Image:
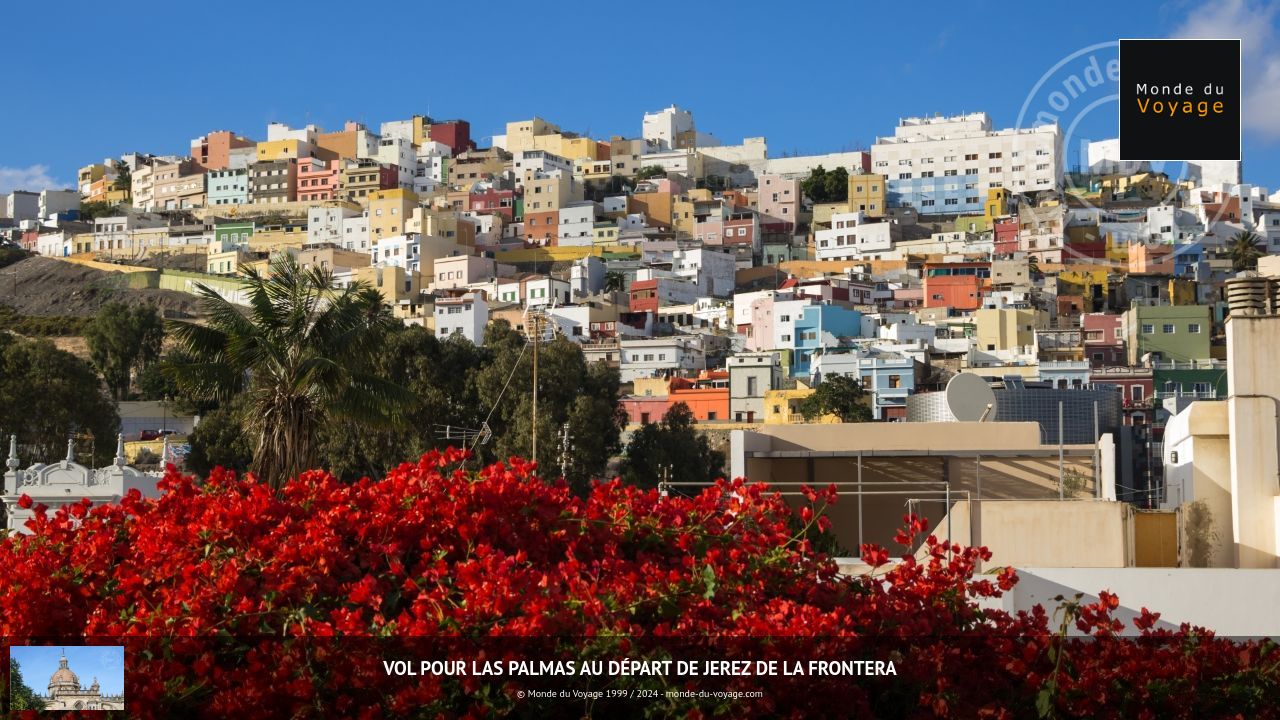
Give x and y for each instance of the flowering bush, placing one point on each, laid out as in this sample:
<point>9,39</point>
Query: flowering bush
<point>237,600</point>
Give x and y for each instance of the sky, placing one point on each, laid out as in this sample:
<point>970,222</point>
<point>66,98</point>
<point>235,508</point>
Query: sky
<point>86,81</point>
<point>105,663</point>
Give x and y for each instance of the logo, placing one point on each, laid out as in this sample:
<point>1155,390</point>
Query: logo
<point>1180,98</point>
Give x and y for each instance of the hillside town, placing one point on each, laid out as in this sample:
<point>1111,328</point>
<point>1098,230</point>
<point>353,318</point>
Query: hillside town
<point>1090,297</point>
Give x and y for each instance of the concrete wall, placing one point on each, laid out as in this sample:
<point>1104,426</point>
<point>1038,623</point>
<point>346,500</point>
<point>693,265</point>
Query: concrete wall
<point>1200,482</point>
<point>1045,533</point>
<point>1253,374</point>
<point>1197,596</point>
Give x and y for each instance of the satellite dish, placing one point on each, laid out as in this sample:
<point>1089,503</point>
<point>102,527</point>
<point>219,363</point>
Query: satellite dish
<point>970,398</point>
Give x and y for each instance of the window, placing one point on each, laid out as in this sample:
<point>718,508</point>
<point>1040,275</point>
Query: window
<point>1119,332</point>
<point>711,415</point>
<point>1167,328</point>
<point>1136,392</point>
<point>1193,328</point>
<point>1148,329</point>
<point>949,173</point>
<point>993,156</point>
<point>904,176</point>
<point>971,171</point>
<point>895,381</point>
<point>995,169</point>
<point>927,174</point>
<point>973,156</point>
<point>1202,389</point>
<point>952,201</point>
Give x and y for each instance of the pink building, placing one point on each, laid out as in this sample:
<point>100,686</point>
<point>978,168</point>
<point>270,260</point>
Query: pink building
<point>317,180</point>
<point>1104,339</point>
<point>760,332</point>
<point>779,201</point>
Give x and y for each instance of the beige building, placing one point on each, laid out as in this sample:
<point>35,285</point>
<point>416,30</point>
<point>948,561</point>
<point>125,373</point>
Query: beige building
<point>522,134</point>
<point>545,192</point>
<point>1006,329</point>
<point>177,185</point>
<point>390,212</point>
<point>472,166</point>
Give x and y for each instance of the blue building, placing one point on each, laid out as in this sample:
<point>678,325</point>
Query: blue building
<point>946,195</point>
<point>822,326</point>
<point>888,378</point>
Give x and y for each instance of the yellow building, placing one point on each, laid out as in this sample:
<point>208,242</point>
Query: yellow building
<point>88,175</point>
<point>274,238</point>
<point>1148,186</point>
<point>867,194</point>
<point>997,204</point>
<point>390,212</point>
<point>521,134</point>
<point>395,284</point>
<point>1078,280</point>
<point>605,234</point>
<point>1006,328</point>
<point>782,407</point>
<point>283,149</point>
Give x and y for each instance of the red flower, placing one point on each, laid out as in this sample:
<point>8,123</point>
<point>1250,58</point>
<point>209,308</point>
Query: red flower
<point>25,502</point>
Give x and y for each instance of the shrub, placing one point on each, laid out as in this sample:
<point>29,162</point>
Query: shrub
<point>238,600</point>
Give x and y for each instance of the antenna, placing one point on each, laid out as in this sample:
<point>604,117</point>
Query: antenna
<point>970,398</point>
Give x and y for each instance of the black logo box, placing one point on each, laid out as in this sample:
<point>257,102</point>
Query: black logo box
<point>1186,68</point>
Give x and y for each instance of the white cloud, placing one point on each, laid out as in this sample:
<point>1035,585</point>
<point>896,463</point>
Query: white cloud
<point>34,178</point>
<point>1254,24</point>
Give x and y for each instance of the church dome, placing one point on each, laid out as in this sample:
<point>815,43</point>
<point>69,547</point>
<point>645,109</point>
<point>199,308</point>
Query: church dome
<point>63,679</point>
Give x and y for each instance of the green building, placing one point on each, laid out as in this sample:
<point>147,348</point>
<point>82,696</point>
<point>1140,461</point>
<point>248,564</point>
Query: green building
<point>1179,333</point>
<point>232,234</point>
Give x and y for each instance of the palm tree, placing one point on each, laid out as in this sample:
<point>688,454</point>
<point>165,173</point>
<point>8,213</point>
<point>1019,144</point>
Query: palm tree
<point>303,354</point>
<point>1244,249</point>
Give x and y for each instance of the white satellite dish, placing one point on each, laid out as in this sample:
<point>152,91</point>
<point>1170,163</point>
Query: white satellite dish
<point>970,398</point>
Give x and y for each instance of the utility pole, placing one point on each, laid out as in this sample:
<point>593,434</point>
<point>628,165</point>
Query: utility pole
<point>564,451</point>
<point>534,317</point>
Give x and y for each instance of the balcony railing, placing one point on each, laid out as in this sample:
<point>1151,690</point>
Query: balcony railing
<point>1210,394</point>
<point>1189,365</point>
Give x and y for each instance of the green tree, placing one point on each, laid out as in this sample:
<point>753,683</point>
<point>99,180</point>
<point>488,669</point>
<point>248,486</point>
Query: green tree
<point>220,441</point>
<point>838,395</point>
<point>1244,249</point>
<point>438,375</point>
<point>671,449</point>
<point>304,354</point>
<point>571,391</point>
<point>21,697</point>
<point>651,171</point>
<point>124,177</point>
<point>45,394</point>
<point>124,340</point>
<point>614,281</point>
<point>823,187</point>
<point>90,211</point>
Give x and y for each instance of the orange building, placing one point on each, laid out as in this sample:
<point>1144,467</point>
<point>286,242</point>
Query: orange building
<point>213,151</point>
<point>1153,259</point>
<point>956,285</point>
<point>542,228</point>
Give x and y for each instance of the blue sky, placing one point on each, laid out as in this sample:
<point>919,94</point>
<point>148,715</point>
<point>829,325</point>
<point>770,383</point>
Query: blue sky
<point>87,80</point>
<point>105,662</point>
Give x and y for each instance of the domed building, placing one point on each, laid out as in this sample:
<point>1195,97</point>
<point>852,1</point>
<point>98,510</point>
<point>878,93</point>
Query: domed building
<point>66,693</point>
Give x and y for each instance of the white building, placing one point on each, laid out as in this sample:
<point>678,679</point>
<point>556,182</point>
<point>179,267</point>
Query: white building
<point>324,223</point>
<point>654,357</point>
<point>946,165</point>
<point>751,375</point>
<point>53,202</point>
<point>355,232</point>
<point>403,251</point>
<point>851,237</point>
<point>577,224</point>
<point>714,272</point>
<point>65,482</point>
<point>665,127</point>
<point>465,315</point>
<point>1104,159</point>
<point>23,205</point>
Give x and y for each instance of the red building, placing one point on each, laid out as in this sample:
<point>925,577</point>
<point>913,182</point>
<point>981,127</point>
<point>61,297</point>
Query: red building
<point>454,133</point>
<point>644,296</point>
<point>494,202</point>
<point>960,286</point>
<point>1005,235</point>
<point>213,151</point>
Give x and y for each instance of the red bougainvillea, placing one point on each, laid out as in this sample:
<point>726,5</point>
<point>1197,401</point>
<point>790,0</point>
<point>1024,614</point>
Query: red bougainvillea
<point>237,601</point>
